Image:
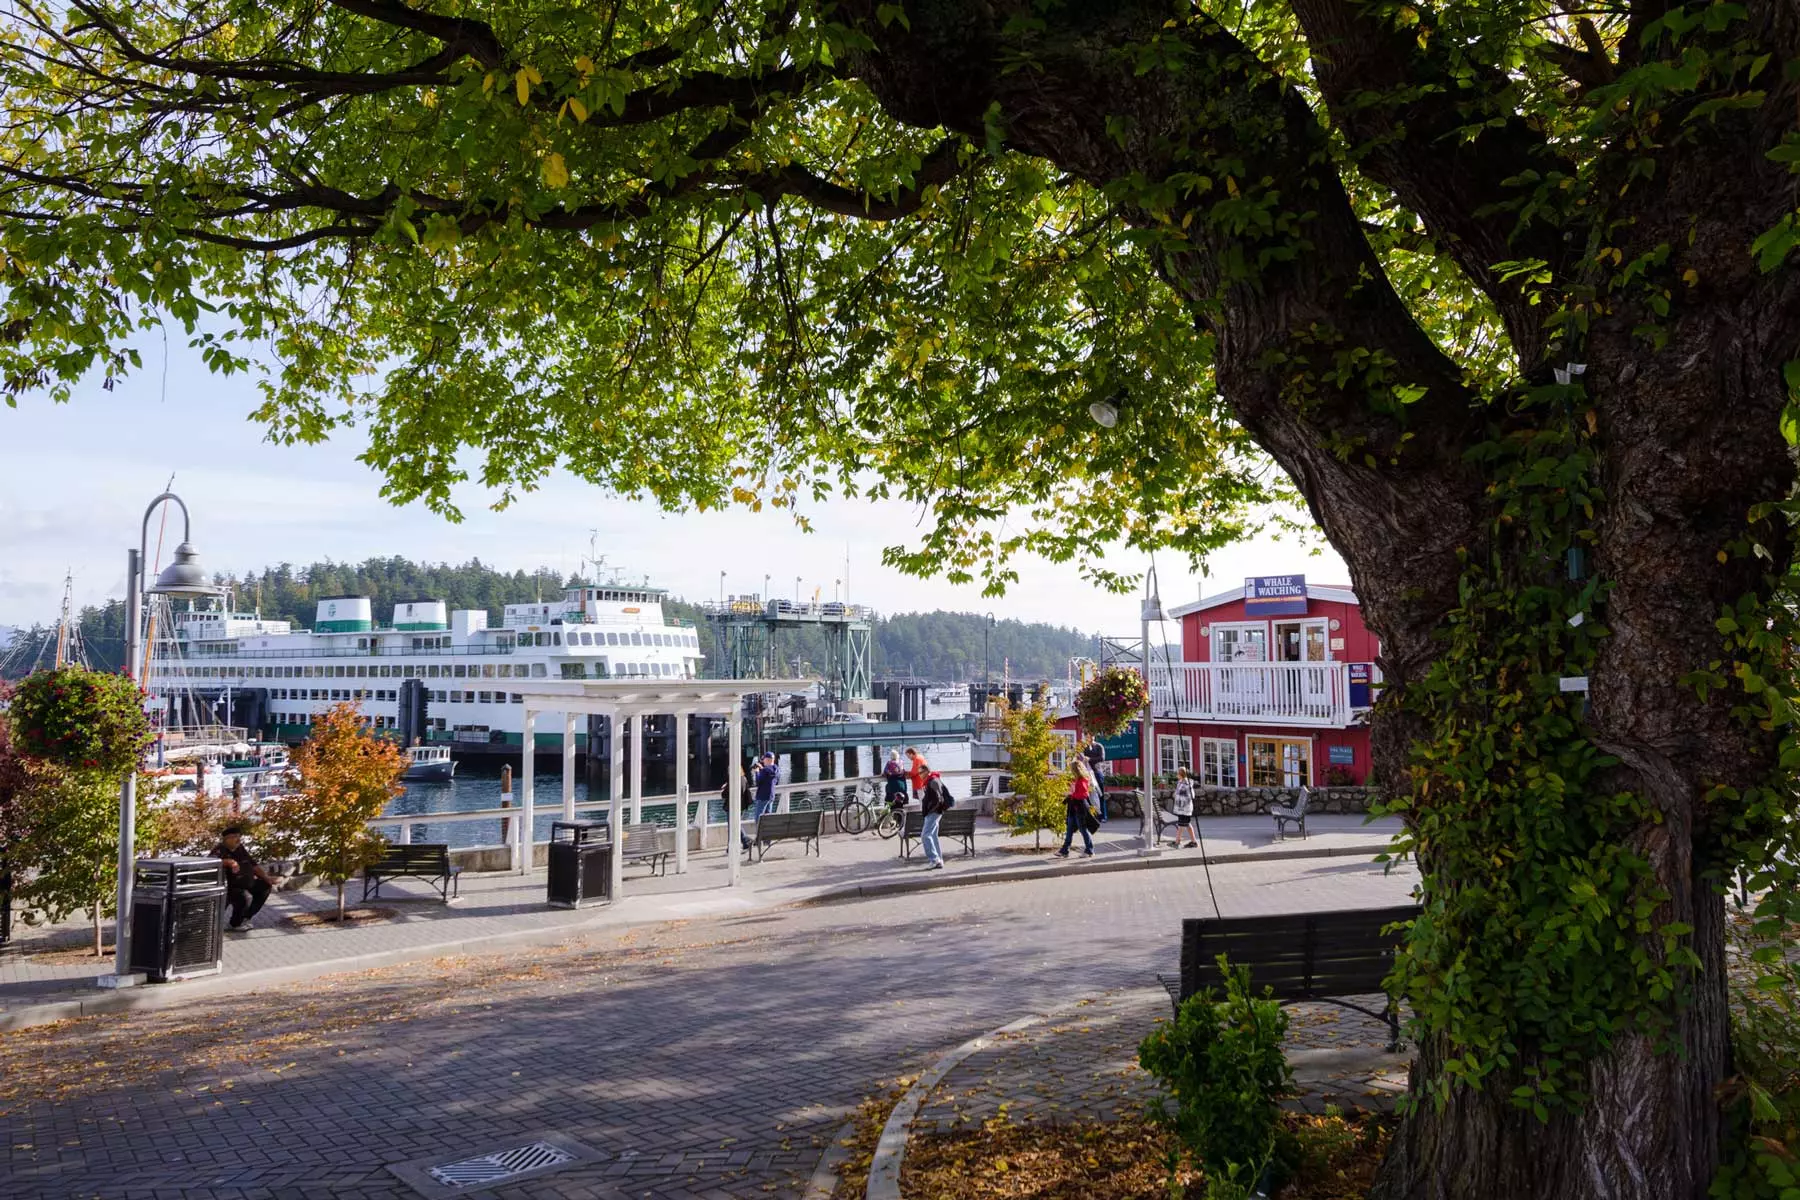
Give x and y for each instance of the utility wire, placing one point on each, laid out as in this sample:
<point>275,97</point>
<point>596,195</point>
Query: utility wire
<point>1180,731</point>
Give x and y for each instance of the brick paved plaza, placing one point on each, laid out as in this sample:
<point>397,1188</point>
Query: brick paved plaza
<point>701,1058</point>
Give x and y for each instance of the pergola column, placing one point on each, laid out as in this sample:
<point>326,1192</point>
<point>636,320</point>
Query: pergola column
<point>528,818</point>
<point>734,775</point>
<point>681,790</point>
<point>568,759</point>
<point>614,825</point>
<point>637,768</point>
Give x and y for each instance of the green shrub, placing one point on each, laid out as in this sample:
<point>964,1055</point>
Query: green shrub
<point>1762,1154</point>
<point>1221,1060</point>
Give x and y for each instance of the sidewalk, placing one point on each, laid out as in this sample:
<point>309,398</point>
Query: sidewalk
<point>40,981</point>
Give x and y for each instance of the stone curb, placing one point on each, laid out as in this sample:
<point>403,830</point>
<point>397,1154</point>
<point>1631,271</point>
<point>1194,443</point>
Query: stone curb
<point>150,997</point>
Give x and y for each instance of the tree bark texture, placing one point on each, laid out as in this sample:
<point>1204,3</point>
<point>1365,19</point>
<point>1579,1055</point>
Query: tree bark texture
<point>1687,436</point>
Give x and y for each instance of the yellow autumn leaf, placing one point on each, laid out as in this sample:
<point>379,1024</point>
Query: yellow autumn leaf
<point>1690,277</point>
<point>578,108</point>
<point>1231,185</point>
<point>556,171</point>
<point>522,85</point>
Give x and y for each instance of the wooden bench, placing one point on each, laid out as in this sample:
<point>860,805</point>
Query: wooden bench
<point>429,861</point>
<point>651,843</point>
<point>1323,956</point>
<point>1164,820</point>
<point>1291,814</point>
<point>802,827</point>
<point>958,825</point>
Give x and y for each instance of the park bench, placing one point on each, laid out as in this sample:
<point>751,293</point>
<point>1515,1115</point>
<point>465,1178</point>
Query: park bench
<point>802,827</point>
<point>651,843</point>
<point>1164,820</point>
<point>958,825</point>
<point>1291,814</point>
<point>1323,956</point>
<point>429,861</point>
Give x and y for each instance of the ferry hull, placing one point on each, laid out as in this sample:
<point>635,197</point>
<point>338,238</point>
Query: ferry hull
<point>431,772</point>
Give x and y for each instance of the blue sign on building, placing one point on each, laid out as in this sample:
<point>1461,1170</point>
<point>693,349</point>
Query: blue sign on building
<point>1275,596</point>
<point>1342,756</point>
<point>1124,745</point>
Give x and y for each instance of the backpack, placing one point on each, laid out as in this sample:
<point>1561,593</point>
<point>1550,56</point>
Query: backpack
<point>944,794</point>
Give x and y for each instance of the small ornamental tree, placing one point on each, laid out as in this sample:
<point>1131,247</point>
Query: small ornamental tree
<point>81,720</point>
<point>1108,701</point>
<point>67,858</point>
<point>1038,789</point>
<point>345,777</point>
<point>14,779</point>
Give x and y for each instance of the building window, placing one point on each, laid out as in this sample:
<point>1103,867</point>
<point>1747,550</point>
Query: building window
<point>1218,763</point>
<point>1059,757</point>
<point>572,670</point>
<point>1240,643</point>
<point>1280,762</point>
<point>1172,753</point>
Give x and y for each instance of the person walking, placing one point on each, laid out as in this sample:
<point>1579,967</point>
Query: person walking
<point>1077,813</point>
<point>920,772</point>
<point>893,781</point>
<point>1184,808</point>
<point>934,805</point>
<point>1096,761</point>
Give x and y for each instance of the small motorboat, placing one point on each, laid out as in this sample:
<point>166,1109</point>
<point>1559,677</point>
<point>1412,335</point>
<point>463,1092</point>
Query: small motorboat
<point>428,764</point>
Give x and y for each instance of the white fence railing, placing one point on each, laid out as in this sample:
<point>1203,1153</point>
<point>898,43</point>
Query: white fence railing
<point>704,808</point>
<point>1275,693</point>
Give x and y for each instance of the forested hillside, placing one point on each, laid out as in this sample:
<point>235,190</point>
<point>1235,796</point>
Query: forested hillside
<point>931,645</point>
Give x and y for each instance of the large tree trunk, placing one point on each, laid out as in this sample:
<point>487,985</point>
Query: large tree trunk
<point>1686,434</point>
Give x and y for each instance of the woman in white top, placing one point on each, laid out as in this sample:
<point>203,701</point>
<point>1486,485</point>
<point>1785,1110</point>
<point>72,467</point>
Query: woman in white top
<point>1184,808</point>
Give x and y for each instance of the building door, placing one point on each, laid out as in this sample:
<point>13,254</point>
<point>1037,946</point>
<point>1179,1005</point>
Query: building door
<point>1306,687</point>
<point>1280,762</point>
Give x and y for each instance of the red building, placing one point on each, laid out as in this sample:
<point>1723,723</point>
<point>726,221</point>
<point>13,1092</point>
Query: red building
<point>1273,688</point>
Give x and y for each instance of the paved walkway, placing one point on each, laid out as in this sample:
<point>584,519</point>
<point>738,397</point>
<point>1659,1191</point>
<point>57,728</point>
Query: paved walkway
<point>1082,1066</point>
<point>46,967</point>
<point>694,1059</point>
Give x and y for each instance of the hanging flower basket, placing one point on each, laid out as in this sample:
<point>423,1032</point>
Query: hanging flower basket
<point>1108,702</point>
<point>80,720</point>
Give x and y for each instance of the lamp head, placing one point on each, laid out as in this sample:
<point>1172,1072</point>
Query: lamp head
<point>184,577</point>
<point>1105,414</point>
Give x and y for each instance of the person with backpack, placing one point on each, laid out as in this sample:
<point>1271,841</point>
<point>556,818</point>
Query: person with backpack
<point>1096,761</point>
<point>1078,810</point>
<point>1184,808</point>
<point>935,803</point>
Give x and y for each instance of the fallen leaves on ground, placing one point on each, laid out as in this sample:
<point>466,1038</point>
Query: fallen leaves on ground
<point>328,916</point>
<point>1123,1160</point>
<point>1003,1161</point>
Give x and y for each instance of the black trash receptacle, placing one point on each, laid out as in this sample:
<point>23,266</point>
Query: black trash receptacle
<point>177,918</point>
<point>580,863</point>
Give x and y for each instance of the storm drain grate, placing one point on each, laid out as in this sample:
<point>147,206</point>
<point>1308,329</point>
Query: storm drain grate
<point>501,1165</point>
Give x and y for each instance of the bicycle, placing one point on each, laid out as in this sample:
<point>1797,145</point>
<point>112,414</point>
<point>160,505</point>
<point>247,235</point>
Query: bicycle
<point>865,807</point>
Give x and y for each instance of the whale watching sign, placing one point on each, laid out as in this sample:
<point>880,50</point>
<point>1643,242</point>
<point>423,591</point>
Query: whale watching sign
<point>1275,596</point>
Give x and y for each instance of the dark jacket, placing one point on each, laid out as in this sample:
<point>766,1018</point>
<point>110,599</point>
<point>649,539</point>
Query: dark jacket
<point>935,799</point>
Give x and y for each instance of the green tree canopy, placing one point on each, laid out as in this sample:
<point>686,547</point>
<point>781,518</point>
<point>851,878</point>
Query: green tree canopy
<point>1504,287</point>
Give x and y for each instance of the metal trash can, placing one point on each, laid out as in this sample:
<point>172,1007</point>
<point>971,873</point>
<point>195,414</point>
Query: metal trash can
<point>580,863</point>
<point>177,918</point>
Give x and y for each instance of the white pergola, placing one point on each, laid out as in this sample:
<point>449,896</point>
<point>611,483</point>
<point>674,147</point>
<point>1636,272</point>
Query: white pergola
<point>629,701</point>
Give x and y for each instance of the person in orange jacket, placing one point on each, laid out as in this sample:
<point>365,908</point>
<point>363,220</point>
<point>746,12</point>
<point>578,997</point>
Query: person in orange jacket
<point>921,771</point>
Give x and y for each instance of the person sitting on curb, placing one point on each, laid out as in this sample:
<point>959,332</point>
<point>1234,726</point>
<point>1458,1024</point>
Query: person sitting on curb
<point>247,885</point>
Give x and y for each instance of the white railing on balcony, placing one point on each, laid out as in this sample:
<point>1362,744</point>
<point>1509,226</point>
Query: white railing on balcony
<point>1271,693</point>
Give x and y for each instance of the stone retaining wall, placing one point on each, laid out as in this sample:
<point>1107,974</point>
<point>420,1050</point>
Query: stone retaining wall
<point>1214,802</point>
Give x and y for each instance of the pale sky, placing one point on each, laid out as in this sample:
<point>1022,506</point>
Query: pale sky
<point>74,480</point>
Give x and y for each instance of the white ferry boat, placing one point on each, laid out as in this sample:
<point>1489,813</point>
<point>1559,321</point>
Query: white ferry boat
<point>430,675</point>
<point>429,764</point>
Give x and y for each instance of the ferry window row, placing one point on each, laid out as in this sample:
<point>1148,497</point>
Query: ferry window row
<point>583,637</point>
<point>569,670</point>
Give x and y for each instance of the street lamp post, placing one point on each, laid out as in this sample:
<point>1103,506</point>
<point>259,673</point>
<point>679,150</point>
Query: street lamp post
<point>1152,610</point>
<point>182,577</point>
<point>721,587</point>
<point>987,679</point>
